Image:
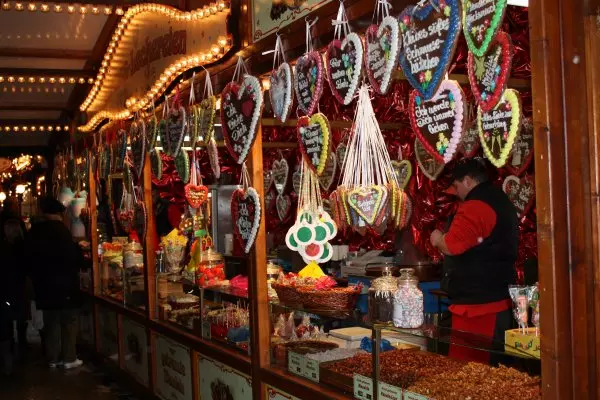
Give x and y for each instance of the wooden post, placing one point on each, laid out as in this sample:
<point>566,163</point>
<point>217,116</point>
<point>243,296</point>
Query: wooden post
<point>96,276</point>
<point>149,258</point>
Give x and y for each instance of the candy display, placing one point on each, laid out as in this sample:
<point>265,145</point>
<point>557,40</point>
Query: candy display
<point>518,294</point>
<point>408,301</point>
<point>382,297</point>
<point>533,296</point>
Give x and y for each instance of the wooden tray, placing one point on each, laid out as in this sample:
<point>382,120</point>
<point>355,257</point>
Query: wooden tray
<point>334,379</point>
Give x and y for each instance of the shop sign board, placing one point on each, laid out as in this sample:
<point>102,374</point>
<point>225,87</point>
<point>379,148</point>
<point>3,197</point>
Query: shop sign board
<point>135,350</point>
<point>276,394</point>
<point>363,390</point>
<point>173,370</point>
<point>268,16</point>
<point>303,366</point>
<point>219,381</point>
<point>109,334</point>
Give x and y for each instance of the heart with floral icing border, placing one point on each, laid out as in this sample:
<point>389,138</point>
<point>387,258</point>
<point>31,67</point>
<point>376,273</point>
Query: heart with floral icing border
<point>281,91</point>
<point>481,21</point>
<point>382,44</point>
<point>205,121</point>
<point>403,171</point>
<point>488,75</point>
<point>297,180</point>
<point>283,203</point>
<point>213,157</point>
<point>521,155</point>
<point>177,130</point>
<point>429,36</point>
<point>308,82</point>
<point>156,163</point>
<point>196,195</point>
<point>279,172</point>
<point>499,127</point>
<point>140,220</point>
<point>182,166</point>
<point>120,150</point>
<point>439,121</point>
<point>241,106</point>
<point>469,143</point>
<point>340,154</point>
<point>151,133</point>
<point>366,202</point>
<point>246,214</point>
<point>344,66</point>
<point>137,133</point>
<point>314,140</point>
<point>430,167</point>
<point>328,175</point>
<point>521,192</point>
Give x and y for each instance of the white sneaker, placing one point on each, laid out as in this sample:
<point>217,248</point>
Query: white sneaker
<point>56,364</point>
<point>74,364</point>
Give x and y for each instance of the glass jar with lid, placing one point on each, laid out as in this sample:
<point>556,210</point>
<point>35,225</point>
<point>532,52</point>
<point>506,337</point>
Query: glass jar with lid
<point>381,296</point>
<point>408,301</point>
<point>211,269</point>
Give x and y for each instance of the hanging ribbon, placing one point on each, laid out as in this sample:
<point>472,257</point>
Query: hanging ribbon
<point>245,178</point>
<point>341,27</point>
<point>208,89</point>
<point>382,10</point>
<point>309,25</point>
<point>238,69</point>
<point>279,54</point>
<point>192,91</point>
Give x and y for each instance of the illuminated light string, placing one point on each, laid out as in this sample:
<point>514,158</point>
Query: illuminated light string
<point>62,80</point>
<point>170,12</point>
<point>35,128</point>
<point>59,8</point>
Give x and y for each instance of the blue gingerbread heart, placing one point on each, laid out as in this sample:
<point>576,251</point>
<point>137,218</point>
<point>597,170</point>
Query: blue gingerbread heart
<point>429,36</point>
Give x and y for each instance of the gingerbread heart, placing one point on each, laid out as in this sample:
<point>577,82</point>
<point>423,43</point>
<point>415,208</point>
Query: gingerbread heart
<point>279,173</point>
<point>196,195</point>
<point>489,73</point>
<point>267,181</point>
<point>499,127</point>
<point>213,157</point>
<point>403,172</point>
<point>521,155</point>
<point>140,220</point>
<point>481,20</point>
<point>366,202</point>
<point>176,130</point>
<point>280,92</point>
<point>246,214</point>
<point>137,134</point>
<point>328,175</point>
<point>182,166</point>
<point>430,167</point>
<point>241,105</point>
<point>269,197</point>
<point>297,180</point>
<point>151,133</point>
<point>156,163</point>
<point>340,153</point>
<point>429,35</point>
<point>120,150</point>
<point>308,82</point>
<point>125,219</point>
<point>344,66</point>
<point>382,45</point>
<point>439,121</point>
<point>314,139</point>
<point>469,143</point>
<point>521,192</point>
<point>206,119</point>
<point>283,205</point>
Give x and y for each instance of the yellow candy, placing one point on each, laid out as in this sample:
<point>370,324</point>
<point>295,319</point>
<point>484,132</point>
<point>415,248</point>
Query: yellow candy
<point>312,270</point>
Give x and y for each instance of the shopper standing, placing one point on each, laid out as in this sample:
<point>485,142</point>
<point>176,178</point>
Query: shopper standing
<point>55,262</point>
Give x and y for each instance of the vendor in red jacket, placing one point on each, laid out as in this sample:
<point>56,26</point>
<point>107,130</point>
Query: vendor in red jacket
<point>480,249</point>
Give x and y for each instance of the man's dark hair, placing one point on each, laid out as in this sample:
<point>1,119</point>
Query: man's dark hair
<point>472,167</point>
<point>49,205</point>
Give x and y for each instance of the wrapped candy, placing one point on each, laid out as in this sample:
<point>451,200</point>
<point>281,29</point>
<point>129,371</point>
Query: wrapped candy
<point>533,296</point>
<point>518,294</point>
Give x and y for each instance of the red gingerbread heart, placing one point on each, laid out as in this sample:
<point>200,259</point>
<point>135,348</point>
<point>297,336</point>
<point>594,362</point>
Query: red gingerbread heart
<point>196,195</point>
<point>246,214</point>
<point>521,193</point>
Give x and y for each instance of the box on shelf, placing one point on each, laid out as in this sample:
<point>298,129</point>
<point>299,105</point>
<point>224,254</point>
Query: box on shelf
<point>517,342</point>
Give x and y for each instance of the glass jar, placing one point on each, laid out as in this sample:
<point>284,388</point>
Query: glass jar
<point>381,297</point>
<point>408,301</point>
<point>273,272</point>
<point>211,269</point>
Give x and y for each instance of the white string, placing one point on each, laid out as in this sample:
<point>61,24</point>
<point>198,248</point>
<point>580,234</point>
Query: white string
<point>279,54</point>
<point>208,89</point>
<point>340,23</point>
<point>238,69</point>
<point>382,10</point>
<point>245,177</point>
<point>192,94</point>
<point>309,25</point>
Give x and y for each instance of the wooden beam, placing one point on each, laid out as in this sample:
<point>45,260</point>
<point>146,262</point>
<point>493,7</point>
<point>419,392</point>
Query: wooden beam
<point>32,107</point>
<point>35,72</point>
<point>45,53</point>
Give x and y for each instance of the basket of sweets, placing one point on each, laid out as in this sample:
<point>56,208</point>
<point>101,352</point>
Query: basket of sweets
<point>332,298</point>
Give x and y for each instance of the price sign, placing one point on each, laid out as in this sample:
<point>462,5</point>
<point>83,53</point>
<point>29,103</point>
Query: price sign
<point>311,369</point>
<point>363,387</point>
<point>388,392</point>
<point>414,396</point>
<point>206,330</point>
<point>295,363</point>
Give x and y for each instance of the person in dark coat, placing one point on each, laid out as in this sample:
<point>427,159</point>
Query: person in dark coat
<point>55,262</point>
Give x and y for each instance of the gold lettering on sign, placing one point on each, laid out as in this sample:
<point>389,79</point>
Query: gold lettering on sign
<point>169,44</point>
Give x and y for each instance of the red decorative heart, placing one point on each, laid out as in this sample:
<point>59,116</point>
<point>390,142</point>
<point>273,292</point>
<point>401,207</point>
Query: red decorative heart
<point>366,202</point>
<point>488,75</point>
<point>430,167</point>
<point>469,143</point>
<point>196,195</point>
<point>522,152</point>
<point>309,81</point>
<point>314,140</point>
<point>279,173</point>
<point>246,213</point>
<point>283,204</point>
<point>382,43</point>
<point>521,193</point>
<point>241,106</point>
<point>344,66</point>
<point>125,218</point>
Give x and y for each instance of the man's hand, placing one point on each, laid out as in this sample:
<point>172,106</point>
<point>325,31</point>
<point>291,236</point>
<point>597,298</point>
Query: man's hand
<point>435,237</point>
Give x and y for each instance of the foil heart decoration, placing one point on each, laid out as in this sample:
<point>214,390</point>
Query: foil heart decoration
<point>152,129</point>
<point>429,35</point>
<point>182,166</point>
<point>430,167</point>
<point>366,202</point>
<point>213,157</point>
<point>499,127</point>
<point>140,220</point>
<point>206,111</point>
<point>283,205</point>
<point>340,154</point>
<point>469,143</point>
<point>176,131</point>
<point>488,74</point>
<point>246,214</point>
<point>382,44</point>
<point>267,181</point>
<point>521,155</point>
<point>439,121</point>
<point>241,106</point>
<point>196,195</point>
<point>314,140</point>
<point>281,91</point>
<point>521,192</point>
<point>125,218</point>
<point>279,172</point>
<point>297,180</point>
<point>403,172</point>
<point>344,66</point>
<point>481,20</point>
<point>308,82</point>
<point>328,175</point>
<point>137,134</point>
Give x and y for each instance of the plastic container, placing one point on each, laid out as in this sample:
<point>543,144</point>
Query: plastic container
<point>381,296</point>
<point>211,269</point>
<point>408,301</point>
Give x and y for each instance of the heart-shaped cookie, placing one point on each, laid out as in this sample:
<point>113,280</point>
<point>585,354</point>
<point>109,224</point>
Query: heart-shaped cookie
<point>279,172</point>
<point>176,131</point>
<point>125,219</point>
<point>521,155</point>
<point>269,197</point>
<point>140,220</point>
<point>241,105</point>
<point>344,66</point>
<point>182,166</point>
<point>403,172</point>
<point>481,20</point>
<point>521,192</point>
<point>297,180</point>
<point>489,73</point>
<point>328,175</point>
<point>314,138</point>
<point>439,121</point>
<point>429,36</point>
<point>430,167</point>
<point>366,202</point>
<point>469,143</point>
<point>499,127</point>
<point>267,181</point>
<point>151,133</point>
<point>280,92</point>
<point>308,82</point>
<point>246,214</point>
<point>156,163</point>
<point>283,205</point>
<point>120,150</point>
<point>382,44</point>
<point>205,120</point>
<point>213,157</point>
<point>137,134</point>
<point>196,195</point>
<point>340,153</point>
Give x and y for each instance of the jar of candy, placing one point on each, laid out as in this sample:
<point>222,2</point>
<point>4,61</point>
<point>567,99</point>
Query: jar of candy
<point>273,272</point>
<point>381,297</point>
<point>408,301</point>
<point>211,269</point>
<point>133,256</point>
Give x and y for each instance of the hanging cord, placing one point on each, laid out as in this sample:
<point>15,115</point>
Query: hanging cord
<point>192,91</point>
<point>382,10</point>
<point>309,25</point>
<point>340,24</point>
<point>278,53</point>
<point>208,89</point>
<point>245,177</point>
<point>238,69</point>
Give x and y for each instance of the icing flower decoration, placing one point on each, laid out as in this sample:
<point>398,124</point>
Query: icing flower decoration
<point>474,30</point>
<point>422,77</point>
<point>508,107</point>
<point>486,22</point>
<point>487,135</point>
<point>442,3</point>
<point>505,135</point>
<point>442,143</point>
<point>427,75</point>
<point>484,96</point>
<point>447,11</point>
<point>418,100</point>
